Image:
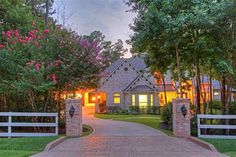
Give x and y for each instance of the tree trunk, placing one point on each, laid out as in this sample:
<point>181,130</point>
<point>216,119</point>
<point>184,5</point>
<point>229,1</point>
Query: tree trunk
<point>178,69</point>
<point>211,105</point>
<point>164,87</point>
<point>223,102</point>
<point>47,12</point>
<point>198,89</point>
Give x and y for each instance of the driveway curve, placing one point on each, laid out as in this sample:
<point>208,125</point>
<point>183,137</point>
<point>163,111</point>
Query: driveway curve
<point>124,139</point>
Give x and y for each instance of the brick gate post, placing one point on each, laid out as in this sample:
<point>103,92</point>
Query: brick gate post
<point>181,123</point>
<point>73,117</point>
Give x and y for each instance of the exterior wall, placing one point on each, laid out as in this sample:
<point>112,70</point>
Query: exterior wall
<point>117,82</point>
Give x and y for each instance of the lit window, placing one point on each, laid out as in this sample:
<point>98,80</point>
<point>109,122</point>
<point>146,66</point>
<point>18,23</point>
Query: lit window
<point>143,100</point>
<point>216,93</point>
<point>117,98</point>
<point>133,100</point>
<point>151,97</point>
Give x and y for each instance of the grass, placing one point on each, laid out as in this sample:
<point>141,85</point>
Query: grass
<point>153,121</point>
<point>87,130</point>
<point>23,147</point>
<point>26,146</point>
<point>226,146</point>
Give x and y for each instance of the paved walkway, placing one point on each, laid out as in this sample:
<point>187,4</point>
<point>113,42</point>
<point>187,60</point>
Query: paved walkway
<point>124,139</point>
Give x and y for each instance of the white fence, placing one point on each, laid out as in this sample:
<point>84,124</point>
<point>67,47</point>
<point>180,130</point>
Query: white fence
<point>207,126</point>
<point>11,124</point>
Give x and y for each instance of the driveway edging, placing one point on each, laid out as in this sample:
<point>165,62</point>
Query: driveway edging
<point>203,143</point>
<point>53,144</point>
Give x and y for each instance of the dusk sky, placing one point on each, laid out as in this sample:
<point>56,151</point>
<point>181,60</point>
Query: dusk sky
<point>108,16</point>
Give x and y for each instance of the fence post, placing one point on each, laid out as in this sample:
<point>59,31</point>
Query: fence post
<point>198,126</point>
<point>9,125</point>
<point>57,124</point>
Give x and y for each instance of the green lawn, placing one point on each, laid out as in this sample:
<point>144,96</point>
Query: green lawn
<point>149,120</point>
<point>23,147</point>
<point>226,146</point>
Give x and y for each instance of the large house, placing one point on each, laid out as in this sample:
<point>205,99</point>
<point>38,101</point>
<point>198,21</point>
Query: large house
<point>128,82</point>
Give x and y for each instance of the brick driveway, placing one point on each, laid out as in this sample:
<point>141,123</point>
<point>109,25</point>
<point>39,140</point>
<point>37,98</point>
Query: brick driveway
<point>124,139</point>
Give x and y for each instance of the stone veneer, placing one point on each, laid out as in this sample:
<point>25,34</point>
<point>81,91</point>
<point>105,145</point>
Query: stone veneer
<point>74,124</point>
<point>181,124</point>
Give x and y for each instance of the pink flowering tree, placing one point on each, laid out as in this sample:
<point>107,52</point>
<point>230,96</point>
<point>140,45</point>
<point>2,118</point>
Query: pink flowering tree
<point>36,65</point>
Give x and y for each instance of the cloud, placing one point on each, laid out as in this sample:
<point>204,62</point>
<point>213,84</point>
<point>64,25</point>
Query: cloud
<point>107,16</point>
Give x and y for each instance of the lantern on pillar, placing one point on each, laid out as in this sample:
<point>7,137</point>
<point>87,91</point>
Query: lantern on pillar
<point>184,110</point>
<point>72,111</point>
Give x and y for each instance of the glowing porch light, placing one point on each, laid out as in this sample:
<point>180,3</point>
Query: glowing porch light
<point>79,95</point>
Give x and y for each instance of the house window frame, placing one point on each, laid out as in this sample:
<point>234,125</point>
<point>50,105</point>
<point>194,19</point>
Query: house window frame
<point>133,101</point>
<point>151,99</point>
<point>116,98</point>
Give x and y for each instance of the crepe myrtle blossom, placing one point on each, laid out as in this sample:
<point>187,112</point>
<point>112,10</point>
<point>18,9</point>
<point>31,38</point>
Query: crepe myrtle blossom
<point>84,43</point>
<point>14,37</point>
<point>37,66</point>
<point>2,46</point>
<point>46,31</point>
<point>54,78</point>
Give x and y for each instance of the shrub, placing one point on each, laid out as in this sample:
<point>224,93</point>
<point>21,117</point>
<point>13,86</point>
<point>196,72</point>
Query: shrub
<point>114,109</point>
<point>232,108</point>
<point>152,109</point>
<point>193,123</point>
<point>134,109</point>
<point>166,115</point>
<point>216,104</point>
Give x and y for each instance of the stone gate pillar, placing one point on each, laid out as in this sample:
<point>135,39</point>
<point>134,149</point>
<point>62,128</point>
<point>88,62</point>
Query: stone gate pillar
<point>181,117</point>
<point>73,117</point>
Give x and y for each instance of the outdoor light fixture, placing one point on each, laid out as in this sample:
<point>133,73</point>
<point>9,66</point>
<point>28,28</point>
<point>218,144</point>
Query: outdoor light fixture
<point>72,111</point>
<point>184,110</point>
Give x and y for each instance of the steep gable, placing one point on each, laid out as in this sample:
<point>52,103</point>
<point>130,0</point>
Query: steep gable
<point>124,73</point>
<point>141,83</point>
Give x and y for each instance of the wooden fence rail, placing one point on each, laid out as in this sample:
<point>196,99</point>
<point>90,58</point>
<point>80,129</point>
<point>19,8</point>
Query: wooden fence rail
<point>9,124</point>
<point>212,126</point>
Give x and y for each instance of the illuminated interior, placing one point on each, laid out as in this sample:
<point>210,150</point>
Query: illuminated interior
<point>133,100</point>
<point>117,98</point>
<point>169,96</point>
<point>143,100</point>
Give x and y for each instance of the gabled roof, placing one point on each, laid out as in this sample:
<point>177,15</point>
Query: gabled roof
<point>137,62</point>
<point>113,66</point>
<point>133,85</point>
